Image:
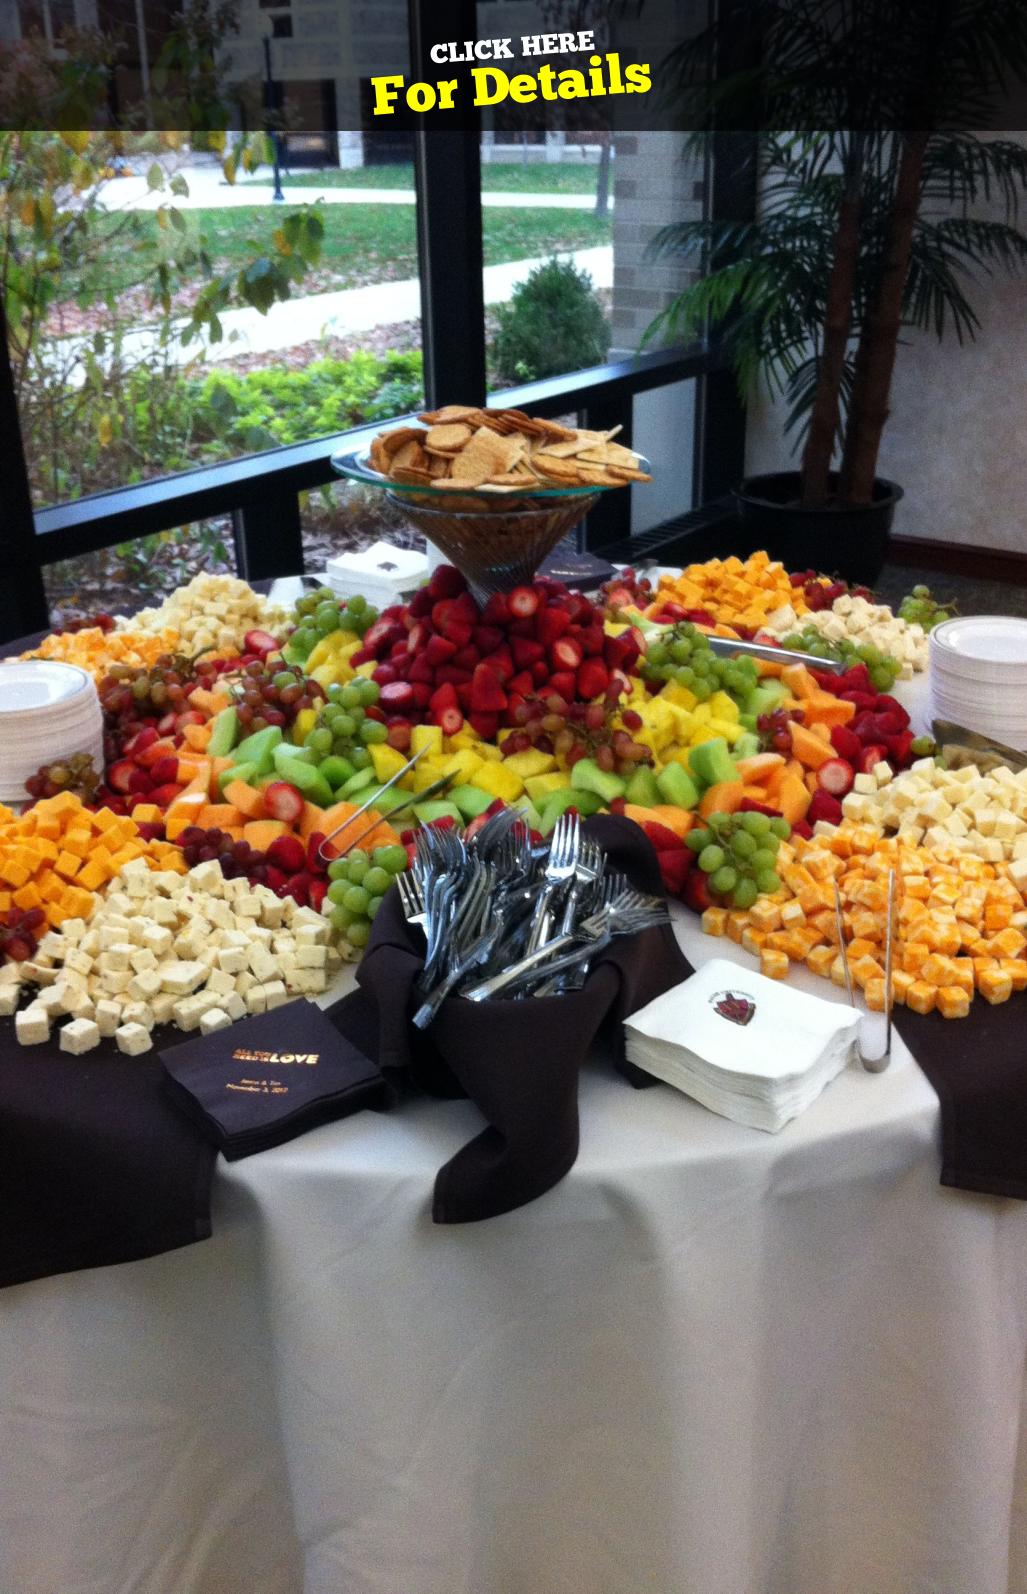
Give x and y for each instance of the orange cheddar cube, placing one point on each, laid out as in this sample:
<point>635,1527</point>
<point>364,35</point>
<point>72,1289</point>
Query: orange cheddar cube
<point>873,995</point>
<point>953,1002</point>
<point>735,926</point>
<point>1016,968</point>
<point>765,916</point>
<point>963,974</point>
<point>714,921</point>
<point>819,960</point>
<point>92,875</point>
<point>68,864</point>
<point>27,897</point>
<point>15,872</point>
<point>1009,943</point>
<point>921,997</point>
<point>995,986</point>
<point>900,984</point>
<point>752,941</point>
<point>774,965</point>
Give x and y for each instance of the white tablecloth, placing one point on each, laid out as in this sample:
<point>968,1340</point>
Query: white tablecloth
<point>711,1361</point>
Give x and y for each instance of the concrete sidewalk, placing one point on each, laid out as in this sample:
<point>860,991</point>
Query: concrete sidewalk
<point>342,313</point>
<point>208,190</point>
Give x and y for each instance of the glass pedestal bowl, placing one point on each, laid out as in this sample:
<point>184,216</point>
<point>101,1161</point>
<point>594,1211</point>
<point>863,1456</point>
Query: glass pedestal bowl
<point>496,536</point>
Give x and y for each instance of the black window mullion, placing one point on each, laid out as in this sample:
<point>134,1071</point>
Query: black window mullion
<point>447,177</point>
<point>23,606</point>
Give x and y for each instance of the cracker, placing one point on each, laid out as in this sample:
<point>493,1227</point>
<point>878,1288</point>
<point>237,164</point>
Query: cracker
<point>393,441</point>
<point>447,439</point>
<point>448,413</point>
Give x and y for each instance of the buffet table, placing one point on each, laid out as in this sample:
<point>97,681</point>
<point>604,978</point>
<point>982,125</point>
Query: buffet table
<point>710,1361</point>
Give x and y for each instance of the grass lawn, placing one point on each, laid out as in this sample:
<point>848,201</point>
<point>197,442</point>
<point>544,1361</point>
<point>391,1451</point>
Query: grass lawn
<point>362,243</point>
<point>568,177</point>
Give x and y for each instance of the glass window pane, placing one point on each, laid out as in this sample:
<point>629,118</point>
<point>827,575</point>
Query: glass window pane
<point>134,575</point>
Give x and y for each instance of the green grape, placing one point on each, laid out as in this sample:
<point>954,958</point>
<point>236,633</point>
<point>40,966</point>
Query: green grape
<point>744,894</point>
<point>349,695</point>
<point>319,740</point>
<point>333,691</point>
<point>373,906</point>
<point>393,859</point>
<point>724,879</point>
<point>681,651</point>
<point>341,918</point>
<point>780,828</point>
<point>756,824</point>
<point>882,677</point>
<point>326,623</point>
<point>357,865</point>
<point>306,605</point>
<point>743,845</point>
<point>356,899</point>
<point>357,604</point>
<point>373,731</point>
<point>336,892</point>
<point>767,882</point>
<point>359,933</point>
<point>702,689</point>
<point>377,881</point>
<point>763,858</point>
<point>282,679</point>
<point>323,594</point>
<point>337,870</point>
<point>656,653</point>
<point>710,859</point>
<point>344,724</point>
<point>360,758</point>
<point>698,839</point>
<point>369,692</point>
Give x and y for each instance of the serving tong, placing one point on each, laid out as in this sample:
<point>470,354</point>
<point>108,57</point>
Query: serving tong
<point>873,1065</point>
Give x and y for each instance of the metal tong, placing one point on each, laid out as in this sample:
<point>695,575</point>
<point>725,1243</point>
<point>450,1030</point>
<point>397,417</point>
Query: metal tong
<point>873,1065</point>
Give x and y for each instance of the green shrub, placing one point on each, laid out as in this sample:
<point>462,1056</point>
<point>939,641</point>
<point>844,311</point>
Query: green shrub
<point>553,323</point>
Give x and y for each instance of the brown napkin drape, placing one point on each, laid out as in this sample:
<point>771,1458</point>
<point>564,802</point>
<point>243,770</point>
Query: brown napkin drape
<point>978,1066</point>
<point>517,1061</point>
<point>96,1165</point>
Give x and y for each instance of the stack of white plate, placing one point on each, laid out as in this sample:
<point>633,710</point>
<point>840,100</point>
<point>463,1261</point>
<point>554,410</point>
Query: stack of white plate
<point>979,675</point>
<point>48,711</point>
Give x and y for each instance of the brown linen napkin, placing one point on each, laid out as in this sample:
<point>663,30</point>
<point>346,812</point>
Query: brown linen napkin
<point>517,1061</point>
<point>978,1067</point>
<point>96,1165</point>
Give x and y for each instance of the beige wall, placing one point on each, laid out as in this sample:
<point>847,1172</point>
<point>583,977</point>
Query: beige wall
<point>956,439</point>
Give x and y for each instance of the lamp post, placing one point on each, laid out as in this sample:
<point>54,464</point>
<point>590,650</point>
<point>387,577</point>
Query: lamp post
<point>269,101</point>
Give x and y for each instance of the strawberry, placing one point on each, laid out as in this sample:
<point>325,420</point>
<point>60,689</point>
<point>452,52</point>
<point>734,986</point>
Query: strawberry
<point>422,602</point>
<point>449,720</point>
<point>836,776</point>
<point>164,795</point>
<point>899,747</point>
<point>526,651</point>
<point>140,742</point>
<point>384,674</point>
<point>463,692</point>
<point>846,743</point>
<point>471,829</point>
<point>380,636</point>
<point>496,610</point>
<point>523,602</point>
<point>394,612</point>
<point>552,622</point>
<point>420,670</point>
<point>419,635</point>
<point>315,862</point>
<point>165,771</point>
<point>443,697</point>
<point>592,639</point>
<point>487,695</point>
<point>564,683</point>
<point>466,657</point>
<point>500,663</point>
<point>259,642</point>
<point>397,697</point>
<point>824,806</point>
<point>361,656</point>
<point>485,725</point>
<point>447,582</point>
<point>663,840</point>
<point>872,755</point>
<point>675,868</point>
<point>287,853</point>
<point>422,692</point>
<point>593,678</point>
<point>487,638</point>
<point>399,735</point>
<point>566,653</point>
<point>119,776</point>
<point>189,716</point>
<point>891,705</point>
<point>439,650</point>
<point>522,684</point>
<point>283,802</point>
<point>750,806</point>
<point>298,888</point>
<point>375,713</point>
<point>581,609</point>
<point>803,828</point>
<point>695,892</point>
<point>888,724</point>
<point>317,890</point>
<point>450,673</point>
<point>540,672</point>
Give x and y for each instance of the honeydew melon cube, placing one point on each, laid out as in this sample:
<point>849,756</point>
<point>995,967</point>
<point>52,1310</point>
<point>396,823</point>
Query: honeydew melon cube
<point>539,787</point>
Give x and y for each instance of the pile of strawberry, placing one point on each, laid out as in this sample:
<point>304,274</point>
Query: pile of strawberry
<point>880,732</point>
<point>443,660</point>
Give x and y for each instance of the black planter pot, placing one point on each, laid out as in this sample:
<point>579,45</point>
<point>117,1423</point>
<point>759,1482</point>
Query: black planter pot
<point>850,542</point>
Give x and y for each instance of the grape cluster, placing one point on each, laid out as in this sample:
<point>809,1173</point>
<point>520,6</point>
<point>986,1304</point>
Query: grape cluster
<point>883,669</point>
<point>738,854</point>
<point>273,694</point>
<point>237,858</point>
<point>570,731</point>
<point>684,655</point>
<point>320,613</point>
<point>84,622</point>
<point>75,774</point>
<point>358,883</point>
<point>920,608</point>
<point>774,732</point>
<point>627,590</point>
<point>20,930</point>
<point>129,694</point>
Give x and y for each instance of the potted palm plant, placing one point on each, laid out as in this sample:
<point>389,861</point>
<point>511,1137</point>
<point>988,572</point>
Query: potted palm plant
<point>861,234</point>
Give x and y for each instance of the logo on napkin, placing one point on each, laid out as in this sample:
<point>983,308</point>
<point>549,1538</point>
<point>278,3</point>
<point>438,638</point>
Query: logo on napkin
<point>735,1006</point>
<point>271,1077</point>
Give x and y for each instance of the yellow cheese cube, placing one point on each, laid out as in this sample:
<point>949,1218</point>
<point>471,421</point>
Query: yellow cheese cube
<point>765,915</point>
<point>1016,968</point>
<point>921,997</point>
<point>774,965</point>
<point>995,986</point>
<point>752,941</point>
<point>953,1002</point>
<point>714,921</point>
<point>873,993</point>
<point>900,984</point>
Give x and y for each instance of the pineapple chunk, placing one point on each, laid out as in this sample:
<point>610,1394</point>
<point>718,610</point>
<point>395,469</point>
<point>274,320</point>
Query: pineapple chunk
<point>499,780</point>
<point>429,736</point>
<point>530,762</point>
<point>461,764</point>
<point>386,760</point>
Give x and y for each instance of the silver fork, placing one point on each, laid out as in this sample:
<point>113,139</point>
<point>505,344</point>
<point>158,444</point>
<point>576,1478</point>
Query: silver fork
<point>564,851</point>
<point>588,871</point>
<point>411,899</point>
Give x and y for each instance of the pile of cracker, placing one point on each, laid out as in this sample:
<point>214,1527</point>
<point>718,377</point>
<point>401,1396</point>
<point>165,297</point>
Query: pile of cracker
<point>501,451</point>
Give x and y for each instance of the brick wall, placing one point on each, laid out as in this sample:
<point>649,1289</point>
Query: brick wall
<point>654,185</point>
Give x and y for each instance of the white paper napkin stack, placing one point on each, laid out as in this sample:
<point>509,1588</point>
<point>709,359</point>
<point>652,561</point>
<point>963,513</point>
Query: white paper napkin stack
<point>747,1047</point>
<point>383,573</point>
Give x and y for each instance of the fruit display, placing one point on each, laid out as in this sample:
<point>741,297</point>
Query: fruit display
<point>854,628</point>
<point>466,449</point>
<point>738,855</point>
<point>626,591</point>
<point>960,930</point>
<point>212,612</point>
<point>683,654</point>
<point>920,608</point>
<point>99,650</point>
<point>77,776</point>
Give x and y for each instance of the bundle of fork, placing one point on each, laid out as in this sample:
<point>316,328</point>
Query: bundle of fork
<point>502,917</point>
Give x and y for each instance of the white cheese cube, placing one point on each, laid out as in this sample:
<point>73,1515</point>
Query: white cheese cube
<point>162,1007</point>
<point>309,981</point>
<point>114,959</point>
<point>248,906</point>
<point>114,981</point>
<point>137,1013</point>
<point>311,957</point>
<point>187,1012</point>
<point>132,1039</point>
<point>262,963</point>
<point>35,973</point>
<point>10,996</point>
<point>272,911</point>
<point>308,934</point>
<point>81,1035</point>
<point>864,784</point>
<point>232,959</point>
<point>220,982</point>
<point>157,938</point>
<point>78,960</point>
<point>75,1000</point>
<point>145,985</point>
<point>142,958</point>
<point>107,1016</point>
<point>883,772</point>
<point>206,877</point>
<point>214,1018</point>
<point>256,1002</point>
<point>52,945</point>
<point>181,977</point>
<point>274,994</point>
<point>163,912</point>
<point>234,1006</point>
<point>32,1025</point>
<point>73,929</point>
